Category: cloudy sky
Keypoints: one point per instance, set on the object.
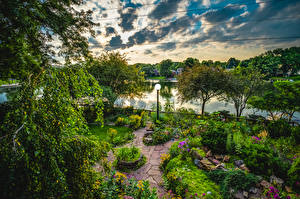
(149, 31)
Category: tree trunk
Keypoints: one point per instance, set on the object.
(203, 106)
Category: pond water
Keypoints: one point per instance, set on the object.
(169, 92)
(6, 94)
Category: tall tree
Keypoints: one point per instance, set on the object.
(113, 72)
(190, 62)
(202, 83)
(242, 83)
(28, 28)
(165, 67)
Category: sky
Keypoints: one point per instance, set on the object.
(149, 31)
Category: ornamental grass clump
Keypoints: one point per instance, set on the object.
(129, 159)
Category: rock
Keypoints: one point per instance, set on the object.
(245, 194)
(197, 162)
(238, 163)
(206, 165)
(288, 189)
(226, 158)
(216, 162)
(196, 155)
(264, 184)
(276, 181)
(148, 139)
(218, 157)
(253, 190)
(243, 167)
(209, 154)
(221, 167)
(239, 195)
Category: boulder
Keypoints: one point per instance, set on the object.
(276, 181)
(245, 194)
(206, 165)
(264, 184)
(196, 155)
(226, 158)
(218, 157)
(215, 162)
(238, 163)
(243, 167)
(239, 195)
(209, 154)
(253, 190)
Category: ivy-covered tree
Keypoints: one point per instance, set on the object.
(202, 83)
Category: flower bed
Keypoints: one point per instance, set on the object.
(129, 159)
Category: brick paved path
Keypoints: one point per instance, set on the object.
(150, 171)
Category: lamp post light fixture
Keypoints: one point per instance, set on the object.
(157, 88)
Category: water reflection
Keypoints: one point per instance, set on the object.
(7, 94)
(169, 92)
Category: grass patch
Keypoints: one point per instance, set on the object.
(157, 78)
(124, 134)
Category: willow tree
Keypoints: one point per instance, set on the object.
(201, 82)
(43, 150)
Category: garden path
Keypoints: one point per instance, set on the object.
(150, 171)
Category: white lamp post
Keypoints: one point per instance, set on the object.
(157, 88)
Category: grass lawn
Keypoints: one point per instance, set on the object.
(157, 78)
(101, 132)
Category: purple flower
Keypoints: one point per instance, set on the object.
(288, 197)
(203, 194)
(188, 150)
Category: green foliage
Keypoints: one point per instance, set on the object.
(165, 68)
(118, 186)
(190, 62)
(37, 129)
(215, 136)
(185, 179)
(124, 134)
(134, 121)
(131, 154)
(235, 142)
(241, 84)
(144, 118)
(233, 179)
(294, 174)
(279, 128)
(120, 121)
(29, 30)
(296, 134)
(112, 71)
(202, 83)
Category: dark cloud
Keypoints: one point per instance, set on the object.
(94, 42)
(142, 37)
(167, 46)
(164, 9)
(269, 21)
(115, 43)
(98, 32)
(224, 14)
(127, 18)
(109, 31)
(147, 52)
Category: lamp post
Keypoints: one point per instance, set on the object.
(157, 88)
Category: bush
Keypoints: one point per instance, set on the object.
(296, 134)
(215, 137)
(118, 186)
(120, 121)
(278, 128)
(131, 154)
(294, 174)
(233, 179)
(134, 121)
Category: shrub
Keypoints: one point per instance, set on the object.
(278, 128)
(120, 121)
(134, 121)
(131, 154)
(112, 133)
(186, 180)
(144, 118)
(118, 186)
(215, 137)
(296, 134)
(294, 174)
(233, 179)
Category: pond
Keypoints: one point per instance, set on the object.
(169, 92)
(7, 94)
